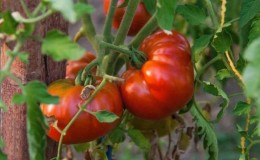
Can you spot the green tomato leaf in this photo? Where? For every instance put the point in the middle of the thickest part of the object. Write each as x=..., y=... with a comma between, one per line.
x=66, y=8
x=36, y=127
x=3, y=106
x=241, y=108
x=216, y=91
x=82, y=147
x=24, y=57
x=104, y=116
x=117, y=135
x=222, y=40
x=3, y=156
x=150, y=6
x=193, y=14
x=206, y=132
x=60, y=47
x=18, y=99
x=255, y=30
x=249, y=9
x=223, y=74
x=7, y=23
x=199, y=46
x=37, y=91
x=139, y=139
x=82, y=9
x=165, y=13
x=256, y=131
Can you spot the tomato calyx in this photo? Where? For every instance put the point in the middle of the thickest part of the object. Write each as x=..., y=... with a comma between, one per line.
x=138, y=58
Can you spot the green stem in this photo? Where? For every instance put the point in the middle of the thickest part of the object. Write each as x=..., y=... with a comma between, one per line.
x=115, y=48
x=36, y=19
x=88, y=68
x=37, y=9
x=126, y=22
x=25, y=8
x=149, y=27
x=202, y=70
x=122, y=33
x=81, y=109
x=89, y=30
x=212, y=13
x=108, y=22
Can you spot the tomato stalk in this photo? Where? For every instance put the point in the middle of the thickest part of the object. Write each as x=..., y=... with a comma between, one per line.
x=108, y=22
x=89, y=30
x=149, y=27
x=122, y=33
x=34, y=19
x=212, y=13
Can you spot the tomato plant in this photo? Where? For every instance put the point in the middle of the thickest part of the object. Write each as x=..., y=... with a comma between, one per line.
x=140, y=18
x=86, y=128
x=164, y=84
x=74, y=66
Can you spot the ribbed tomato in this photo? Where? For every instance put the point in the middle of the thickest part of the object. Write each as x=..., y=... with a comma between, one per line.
x=86, y=128
x=73, y=67
x=164, y=84
x=140, y=18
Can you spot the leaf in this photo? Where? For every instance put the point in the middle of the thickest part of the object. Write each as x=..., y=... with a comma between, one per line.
x=36, y=126
x=3, y=156
x=18, y=99
x=241, y=108
x=117, y=135
x=165, y=12
x=37, y=91
x=60, y=47
x=82, y=9
x=193, y=14
x=82, y=147
x=150, y=6
x=255, y=30
x=24, y=57
x=206, y=132
x=216, y=91
x=223, y=74
x=199, y=46
x=104, y=116
x=222, y=40
x=249, y=9
x=139, y=139
x=3, y=106
x=66, y=8
x=8, y=24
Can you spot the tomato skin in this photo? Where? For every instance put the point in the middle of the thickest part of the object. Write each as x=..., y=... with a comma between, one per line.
x=73, y=67
x=140, y=18
x=86, y=128
x=164, y=84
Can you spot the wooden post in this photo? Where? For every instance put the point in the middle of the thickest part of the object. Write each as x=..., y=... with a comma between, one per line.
x=13, y=122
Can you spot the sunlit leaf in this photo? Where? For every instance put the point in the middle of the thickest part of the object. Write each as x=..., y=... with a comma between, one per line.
x=60, y=47
x=8, y=24
x=104, y=116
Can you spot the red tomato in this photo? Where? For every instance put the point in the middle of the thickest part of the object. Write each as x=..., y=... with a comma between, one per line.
x=164, y=84
x=73, y=67
x=140, y=18
x=86, y=128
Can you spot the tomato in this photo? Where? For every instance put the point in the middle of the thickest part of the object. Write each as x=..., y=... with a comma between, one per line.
x=73, y=67
x=150, y=128
x=140, y=18
x=86, y=127
x=164, y=84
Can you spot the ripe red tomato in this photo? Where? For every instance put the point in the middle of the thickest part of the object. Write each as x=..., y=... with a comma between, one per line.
x=73, y=67
x=86, y=128
x=164, y=84
x=140, y=18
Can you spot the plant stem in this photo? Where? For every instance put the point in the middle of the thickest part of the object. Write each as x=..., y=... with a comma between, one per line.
x=251, y=145
x=149, y=27
x=89, y=30
x=108, y=22
x=35, y=19
x=115, y=48
x=212, y=13
x=37, y=9
x=81, y=109
x=122, y=33
x=25, y=8
x=88, y=68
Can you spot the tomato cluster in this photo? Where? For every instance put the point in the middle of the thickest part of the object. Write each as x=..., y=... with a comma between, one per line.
x=162, y=86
